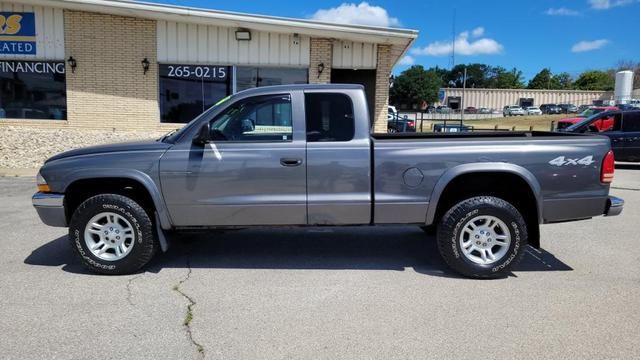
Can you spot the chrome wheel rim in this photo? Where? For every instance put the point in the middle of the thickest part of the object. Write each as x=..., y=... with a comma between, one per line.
x=485, y=239
x=109, y=236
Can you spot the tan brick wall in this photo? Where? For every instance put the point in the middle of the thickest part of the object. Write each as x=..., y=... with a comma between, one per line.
x=321, y=52
x=108, y=88
x=383, y=72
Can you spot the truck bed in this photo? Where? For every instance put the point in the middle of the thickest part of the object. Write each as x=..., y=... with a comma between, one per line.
x=409, y=168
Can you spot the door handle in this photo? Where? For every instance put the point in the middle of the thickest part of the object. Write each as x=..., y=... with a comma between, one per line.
x=290, y=162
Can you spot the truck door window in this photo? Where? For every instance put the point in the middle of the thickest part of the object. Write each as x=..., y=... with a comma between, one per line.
x=260, y=118
x=329, y=117
x=611, y=123
x=631, y=121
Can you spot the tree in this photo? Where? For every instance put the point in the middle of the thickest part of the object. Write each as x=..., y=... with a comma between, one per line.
x=541, y=80
x=506, y=79
x=415, y=86
x=562, y=81
x=477, y=76
x=594, y=80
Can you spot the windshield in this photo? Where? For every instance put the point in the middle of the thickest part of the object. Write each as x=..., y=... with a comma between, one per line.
x=174, y=135
x=590, y=112
x=586, y=121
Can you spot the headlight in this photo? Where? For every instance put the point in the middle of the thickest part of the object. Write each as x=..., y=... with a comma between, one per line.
x=42, y=183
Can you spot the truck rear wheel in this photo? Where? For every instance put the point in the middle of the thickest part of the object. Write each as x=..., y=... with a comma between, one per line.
x=112, y=234
x=482, y=237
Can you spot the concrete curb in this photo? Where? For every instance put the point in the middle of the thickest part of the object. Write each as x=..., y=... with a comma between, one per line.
x=13, y=172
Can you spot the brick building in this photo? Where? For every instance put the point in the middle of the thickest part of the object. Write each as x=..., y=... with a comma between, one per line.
x=129, y=65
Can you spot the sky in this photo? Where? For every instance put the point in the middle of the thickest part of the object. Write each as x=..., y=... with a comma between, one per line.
x=563, y=35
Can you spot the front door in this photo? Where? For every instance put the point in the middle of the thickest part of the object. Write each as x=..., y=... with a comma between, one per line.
x=252, y=173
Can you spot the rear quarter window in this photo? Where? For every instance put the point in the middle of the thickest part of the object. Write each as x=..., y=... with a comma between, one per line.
x=329, y=117
x=631, y=121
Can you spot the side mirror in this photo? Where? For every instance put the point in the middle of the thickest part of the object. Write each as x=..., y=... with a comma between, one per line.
x=247, y=126
x=204, y=135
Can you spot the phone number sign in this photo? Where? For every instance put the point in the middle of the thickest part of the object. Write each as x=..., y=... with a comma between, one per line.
x=195, y=72
x=17, y=33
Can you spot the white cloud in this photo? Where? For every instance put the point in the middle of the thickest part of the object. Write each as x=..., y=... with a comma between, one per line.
x=583, y=46
x=562, y=11
x=477, y=32
x=607, y=4
x=477, y=46
x=407, y=60
x=360, y=14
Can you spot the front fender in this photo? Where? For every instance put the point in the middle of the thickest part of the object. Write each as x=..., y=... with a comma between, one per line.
x=133, y=174
x=484, y=167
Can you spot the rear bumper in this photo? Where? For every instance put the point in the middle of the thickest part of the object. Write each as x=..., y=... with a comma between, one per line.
x=614, y=206
x=50, y=208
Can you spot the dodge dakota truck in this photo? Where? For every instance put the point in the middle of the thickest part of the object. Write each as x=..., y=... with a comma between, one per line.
x=305, y=155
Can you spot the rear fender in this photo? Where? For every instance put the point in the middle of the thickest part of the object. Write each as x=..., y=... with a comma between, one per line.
x=496, y=167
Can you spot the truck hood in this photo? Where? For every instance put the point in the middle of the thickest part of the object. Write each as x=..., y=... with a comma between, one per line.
x=149, y=145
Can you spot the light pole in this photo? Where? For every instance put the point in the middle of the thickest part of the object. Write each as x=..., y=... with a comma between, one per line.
x=464, y=87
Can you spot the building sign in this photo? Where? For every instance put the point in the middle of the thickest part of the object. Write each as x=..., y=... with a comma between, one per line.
x=17, y=33
x=33, y=67
x=195, y=72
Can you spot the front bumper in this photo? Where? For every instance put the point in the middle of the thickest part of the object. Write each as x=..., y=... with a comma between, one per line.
x=614, y=206
x=50, y=208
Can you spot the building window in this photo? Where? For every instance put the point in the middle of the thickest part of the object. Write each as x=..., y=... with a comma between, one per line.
x=250, y=77
x=33, y=90
x=186, y=91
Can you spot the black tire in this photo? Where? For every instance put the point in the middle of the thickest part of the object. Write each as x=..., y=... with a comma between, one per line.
x=145, y=243
x=452, y=223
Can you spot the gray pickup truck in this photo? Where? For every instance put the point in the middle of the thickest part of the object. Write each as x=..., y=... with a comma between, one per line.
x=303, y=155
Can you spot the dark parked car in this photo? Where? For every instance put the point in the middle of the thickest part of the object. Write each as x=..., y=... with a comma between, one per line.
x=624, y=132
x=397, y=124
x=550, y=109
x=470, y=110
x=451, y=128
x=626, y=107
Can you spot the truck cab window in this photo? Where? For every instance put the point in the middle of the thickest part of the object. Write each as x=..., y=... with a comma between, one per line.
x=329, y=117
x=631, y=121
x=261, y=118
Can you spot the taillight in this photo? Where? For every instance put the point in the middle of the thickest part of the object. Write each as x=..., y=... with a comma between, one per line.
x=411, y=123
x=608, y=167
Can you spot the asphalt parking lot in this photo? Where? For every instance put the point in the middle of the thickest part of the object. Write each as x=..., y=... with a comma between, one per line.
x=322, y=293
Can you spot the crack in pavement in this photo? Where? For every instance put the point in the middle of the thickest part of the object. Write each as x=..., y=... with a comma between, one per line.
x=189, y=314
x=129, y=294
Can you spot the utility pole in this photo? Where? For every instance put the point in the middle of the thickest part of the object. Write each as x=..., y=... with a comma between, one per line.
x=453, y=42
x=464, y=87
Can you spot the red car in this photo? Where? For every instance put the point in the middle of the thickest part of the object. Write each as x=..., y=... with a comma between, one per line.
x=602, y=124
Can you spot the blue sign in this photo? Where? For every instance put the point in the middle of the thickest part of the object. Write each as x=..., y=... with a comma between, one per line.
x=441, y=95
x=17, y=33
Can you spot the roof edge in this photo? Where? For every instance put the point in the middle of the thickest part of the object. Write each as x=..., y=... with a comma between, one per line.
x=168, y=12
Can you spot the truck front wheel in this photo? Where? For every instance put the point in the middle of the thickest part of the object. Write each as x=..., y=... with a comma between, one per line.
x=112, y=234
x=482, y=237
